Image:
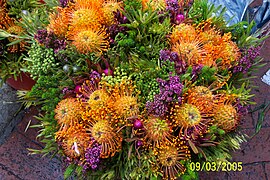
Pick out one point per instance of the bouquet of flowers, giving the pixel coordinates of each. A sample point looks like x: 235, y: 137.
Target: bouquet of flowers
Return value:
x: 139, y: 89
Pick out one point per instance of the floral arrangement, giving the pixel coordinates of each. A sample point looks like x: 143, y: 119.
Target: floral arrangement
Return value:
x: 139, y: 89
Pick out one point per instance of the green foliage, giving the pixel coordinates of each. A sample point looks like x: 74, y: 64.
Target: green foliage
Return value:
x: 227, y: 143
x: 189, y: 174
x: 144, y: 39
x: 10, y: 65
x: 41, y: 61
x: 243, y: 36
x: 33, y: 21
x: 201, y: 10
x: 242, y: 92
x: 17, y: 6
x: 48, y: 92
x: 146, y: 80
x: 130, y: 5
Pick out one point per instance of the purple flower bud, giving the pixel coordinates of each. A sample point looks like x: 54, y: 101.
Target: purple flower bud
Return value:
x: 139, y: 143
x: 77, y: 89
x: 137, y: 124
x: 179, y: 18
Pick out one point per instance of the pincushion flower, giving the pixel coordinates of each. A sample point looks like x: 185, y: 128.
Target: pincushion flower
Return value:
x: 68, y: 112
x: 169, y: 155
x: 123, y: 102
x: 204, y: 45
x: 90, y: 40
x: 189, y: 117
x: 226, y: 117
x: 60, y: 21
x: 73, y: 140
x: 105, y: 135
x: 202, y: 98
x: 109, y: 9
x: 157, y: 130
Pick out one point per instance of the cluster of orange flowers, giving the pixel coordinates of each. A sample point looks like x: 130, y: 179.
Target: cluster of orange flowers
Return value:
x: 99, y: 114
x: 204, y: 45
x: 104, y: 114
x: 83, y: 22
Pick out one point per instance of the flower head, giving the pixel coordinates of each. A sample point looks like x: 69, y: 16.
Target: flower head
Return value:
x: 73, y: 140
x: 169, y: 156
x: 226, y: 117
x: 67, y: 112
x: 90, y: 40
x: 157, y: 130
x: 105, y: 135
x: 60, y: 21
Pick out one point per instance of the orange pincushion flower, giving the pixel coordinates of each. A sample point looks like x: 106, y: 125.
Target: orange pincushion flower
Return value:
x: 85, y: 18
x: 60, y: 21
x: 123, y: 103
x: 16, y: 30
x: 73, y: 140
x: 169, y: 156
x: 5, y: 20
x: 226, y: 117
x: 157, y: 130
x: 94, y: 100
x: 83, y: 4
x: 90, y: 41
x: 108, y: 9
x: 190, y: 52
x: 67, y: 112
x: 204, y: 45
x: 106, y: 136
x: 183, y: 33
x: 201, y: 97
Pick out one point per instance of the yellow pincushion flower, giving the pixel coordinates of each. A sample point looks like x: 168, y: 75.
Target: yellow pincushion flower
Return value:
x: 169, y: 156
x: 105, y: 135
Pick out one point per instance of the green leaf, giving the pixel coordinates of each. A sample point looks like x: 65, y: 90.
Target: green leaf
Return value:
x: 69, y: 170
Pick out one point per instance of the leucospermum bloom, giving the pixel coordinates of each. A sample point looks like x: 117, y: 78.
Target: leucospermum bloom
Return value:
x: 226, y: 117
x: 157, y: 130
x: 204, y: 45
x: 169, y: 155
x: 189, y: 117
x: 201, y: 97
x: 123, y: 101
x: 108, y: 8
x: 94, y: 99
x: 73, y: 140
x: 60, y: 21
x: 90, y: 40
x: 105, y: 135
x: 68, y: 112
